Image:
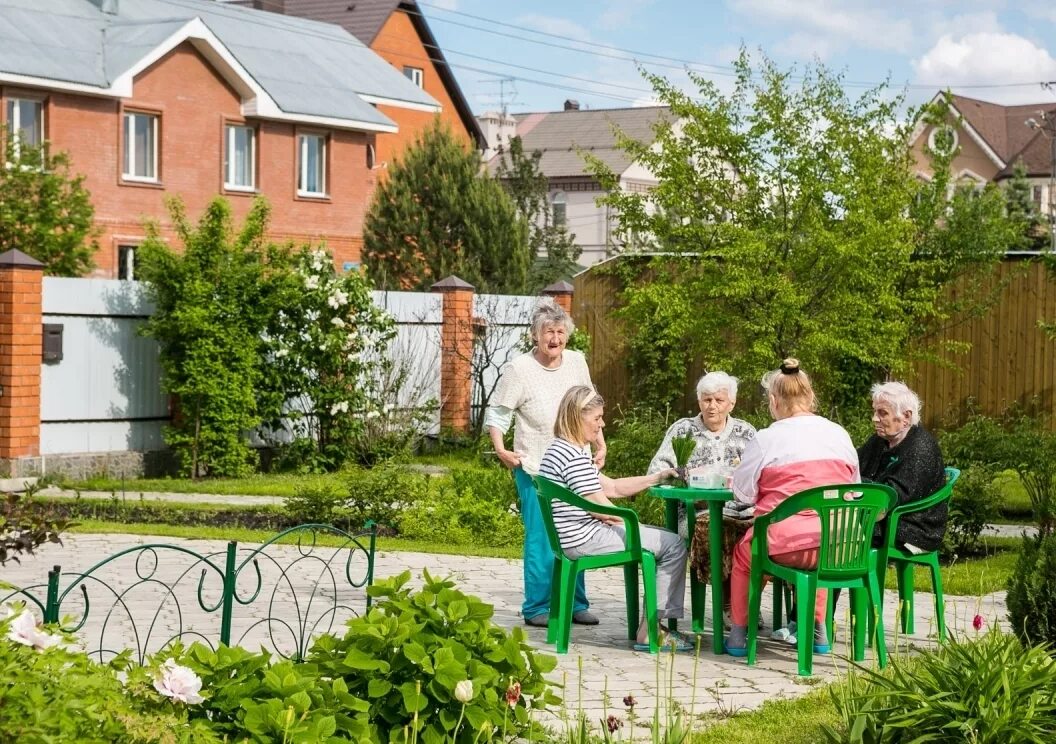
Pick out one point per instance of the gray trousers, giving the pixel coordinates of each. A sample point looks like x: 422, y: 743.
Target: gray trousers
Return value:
x: 671, y: 556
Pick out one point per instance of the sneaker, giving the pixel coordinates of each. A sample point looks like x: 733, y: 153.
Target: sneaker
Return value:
x: 538, y: 621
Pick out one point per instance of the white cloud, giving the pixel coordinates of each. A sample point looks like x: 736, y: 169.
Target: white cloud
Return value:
x: 988, y: 59
x: 554, y: 25
x: 845, y: 24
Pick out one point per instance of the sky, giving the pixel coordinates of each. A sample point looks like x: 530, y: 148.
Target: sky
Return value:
x: 531, y: 56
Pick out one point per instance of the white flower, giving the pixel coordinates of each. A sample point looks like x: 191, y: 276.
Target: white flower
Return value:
x: 372, y: 415
x: 281, y: 353
x: 23, y: 629
x: 178, y: 682
x: 340, y: 407
x: 311, y: 281
x: 464, y: 691
x: 338, y: 322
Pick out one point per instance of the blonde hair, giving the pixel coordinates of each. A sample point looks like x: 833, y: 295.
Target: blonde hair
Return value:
x: 579, y: 399
x: 790, y: 387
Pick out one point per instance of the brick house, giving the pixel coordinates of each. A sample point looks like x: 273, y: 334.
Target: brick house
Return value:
x: 397, y: 31
x: 190, y: 98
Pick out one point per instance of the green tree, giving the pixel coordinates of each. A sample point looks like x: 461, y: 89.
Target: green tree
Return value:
x: 553, y: 247
x: 437, y: 214
x: 1021, y: 207
x: 211, y: 308
x: 790, y: 210
x: 45, y: 211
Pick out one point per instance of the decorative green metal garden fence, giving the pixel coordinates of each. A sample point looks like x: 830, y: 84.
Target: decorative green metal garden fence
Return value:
x: 278, y: 595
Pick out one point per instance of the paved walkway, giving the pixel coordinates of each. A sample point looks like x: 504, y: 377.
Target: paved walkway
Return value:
x: 705, y: 684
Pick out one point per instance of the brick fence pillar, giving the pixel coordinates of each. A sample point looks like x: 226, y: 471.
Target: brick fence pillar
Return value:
x: 21, y: 335
x: 456, y: 353
x: 562, y: 293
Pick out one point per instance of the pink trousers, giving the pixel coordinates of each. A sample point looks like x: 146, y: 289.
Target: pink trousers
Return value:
x: 791, y: 542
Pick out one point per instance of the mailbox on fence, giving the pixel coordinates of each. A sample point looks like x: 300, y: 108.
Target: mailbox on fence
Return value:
x: 52, y: 342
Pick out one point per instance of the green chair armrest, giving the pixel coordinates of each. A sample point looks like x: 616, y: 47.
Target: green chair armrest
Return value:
x: 553, y: 490
x: 943, y: 494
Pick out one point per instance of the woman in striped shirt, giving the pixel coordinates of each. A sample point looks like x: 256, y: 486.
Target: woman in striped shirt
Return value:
x: 580, y: 419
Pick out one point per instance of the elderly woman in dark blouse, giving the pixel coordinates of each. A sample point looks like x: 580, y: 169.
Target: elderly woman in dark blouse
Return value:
x: 904, y: 455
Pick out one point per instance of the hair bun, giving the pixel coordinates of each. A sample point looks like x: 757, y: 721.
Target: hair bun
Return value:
x: 790, y: 366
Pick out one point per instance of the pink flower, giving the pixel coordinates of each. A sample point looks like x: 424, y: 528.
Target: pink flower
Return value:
x: 178, y: 682
x: 614, y: 724
x: 629, y: 701
x: 977, y: 622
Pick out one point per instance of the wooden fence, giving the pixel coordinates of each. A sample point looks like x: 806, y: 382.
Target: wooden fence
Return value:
x: 1010, y: 358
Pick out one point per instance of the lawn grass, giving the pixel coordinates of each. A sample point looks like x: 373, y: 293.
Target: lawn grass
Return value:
x: 284, y: 484
x: 395, y: 544
x: 796, y: 721
x: 970, y: 576
x: 1015, y: 503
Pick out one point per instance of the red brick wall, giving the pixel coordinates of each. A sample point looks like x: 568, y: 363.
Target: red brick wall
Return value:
x: 398, y: 44
x: 194, y: 102
x: 20, y: 340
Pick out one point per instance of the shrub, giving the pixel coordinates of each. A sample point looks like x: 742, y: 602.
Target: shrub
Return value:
x: 638, y: 432
x: 989, y: 690
x: 316, y: 504
x: 459, y: 516
x: 976, y: 502
x: 1031, y: 595
x: 407, y: 656
x: 59, y: 695
x: 381, y: 493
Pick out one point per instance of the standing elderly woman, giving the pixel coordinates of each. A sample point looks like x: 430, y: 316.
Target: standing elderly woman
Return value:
x: 904, y: 455
x: 799, y: 450
x: 580, y: 419
x: 720, y: 442
x: 527, y: 395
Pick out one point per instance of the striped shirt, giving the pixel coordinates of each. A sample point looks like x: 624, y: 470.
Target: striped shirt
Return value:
x: 571, y: 466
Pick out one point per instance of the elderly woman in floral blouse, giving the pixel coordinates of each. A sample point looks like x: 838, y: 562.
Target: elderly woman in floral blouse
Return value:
x: 721, y: 440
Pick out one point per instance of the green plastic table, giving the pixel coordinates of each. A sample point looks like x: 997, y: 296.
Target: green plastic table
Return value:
x: 715, y: 497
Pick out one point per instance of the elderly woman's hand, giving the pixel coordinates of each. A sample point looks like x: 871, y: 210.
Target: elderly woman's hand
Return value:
x: 510, y: 458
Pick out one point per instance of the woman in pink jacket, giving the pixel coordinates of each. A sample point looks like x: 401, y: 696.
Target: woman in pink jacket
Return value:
x: 799, y: 450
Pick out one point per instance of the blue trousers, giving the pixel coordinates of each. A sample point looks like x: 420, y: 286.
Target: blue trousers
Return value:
x: 538, y: 558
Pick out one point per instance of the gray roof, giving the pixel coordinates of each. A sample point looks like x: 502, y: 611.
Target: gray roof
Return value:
x: 562, y: 135
x: 306, y: 67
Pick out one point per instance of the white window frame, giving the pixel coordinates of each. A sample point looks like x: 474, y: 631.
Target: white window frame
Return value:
x: 415, y: 74
x: 14, y: 124
x: 559, y: 199
x: 302, y: 164
x: 944, y: 128
x: 229, y: 167
x: 128, y: 154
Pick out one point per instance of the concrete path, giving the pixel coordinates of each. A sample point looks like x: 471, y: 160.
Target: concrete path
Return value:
x: 600, y: 668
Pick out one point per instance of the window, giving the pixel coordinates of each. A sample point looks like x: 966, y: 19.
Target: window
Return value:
x: 141, y: 147
x: 1036, y: 195
x: 239, y: 157
x: 942, y: 139
x: 311, y: 179
x: 25, y: 121
x: 559, y: 203
x: 415, y: 75
x: 126, y: 262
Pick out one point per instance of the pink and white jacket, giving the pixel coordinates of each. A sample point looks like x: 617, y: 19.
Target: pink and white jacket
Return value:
x: 787, y: 457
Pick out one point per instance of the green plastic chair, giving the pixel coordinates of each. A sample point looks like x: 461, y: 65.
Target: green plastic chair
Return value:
x: 905, y: 562
x: 566, y: 569
x: 846, y: 559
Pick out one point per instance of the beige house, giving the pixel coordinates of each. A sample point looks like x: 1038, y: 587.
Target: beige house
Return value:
x: 564, y: 138
x: 992, y: 138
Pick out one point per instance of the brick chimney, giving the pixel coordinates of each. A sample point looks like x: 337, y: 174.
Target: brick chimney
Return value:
x: 571, y: 104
